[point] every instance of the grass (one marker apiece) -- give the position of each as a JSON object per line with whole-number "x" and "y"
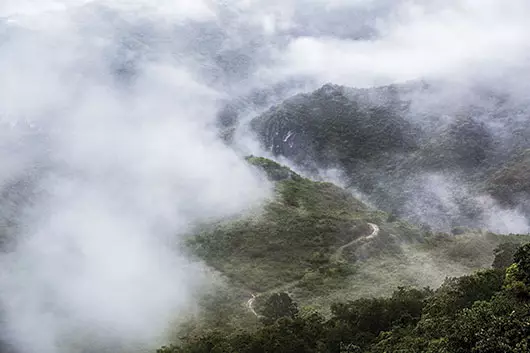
{"x": 290, "y": 244}
{"x": 297, "y": 232}
{"x": 273, "y": 170}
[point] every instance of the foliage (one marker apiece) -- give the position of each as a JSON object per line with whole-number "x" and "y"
{"x": 359, "y": 322}
{"x": 504, "y": 254}
{"x": 459, "y": 293}
{"x": 522, "y": 259}
{"x": 278, "y": 305}
{"x": 298, "y": 231}
{"x": 274, "y": 171}
{"x": 511, "y": 182}
{"x": 479, "y": 313}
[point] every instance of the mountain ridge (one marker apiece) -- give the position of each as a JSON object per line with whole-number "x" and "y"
{"x": 377, "y": 140}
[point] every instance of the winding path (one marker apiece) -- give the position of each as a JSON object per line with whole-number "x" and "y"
{"x": 335, "y": 257}
{"x": 338, "y": 254}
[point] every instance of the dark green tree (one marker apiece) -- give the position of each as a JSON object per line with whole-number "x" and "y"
{"x": 277, "y": 306}
{"x": 504, "y": 255}
{"x": 522, "y": 259}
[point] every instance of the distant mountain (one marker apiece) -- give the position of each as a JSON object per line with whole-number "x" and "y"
{"x": 390, "y": 139}
{"x": 511, "y": 183}
{"x": 336, "y": 126}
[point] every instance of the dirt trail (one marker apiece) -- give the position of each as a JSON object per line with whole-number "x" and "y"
{"x": 338, "y": 254}
{"x": 335, "y": 257}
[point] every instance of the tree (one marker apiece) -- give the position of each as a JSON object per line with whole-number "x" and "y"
{"x": 361, "y": 321}
{"x": 486, "y": 312}
{"x": 499, "y": 325}
{"x": 277, "y": 306}
{"x": 522, "y": 259}
{"x": 504, "y": 255}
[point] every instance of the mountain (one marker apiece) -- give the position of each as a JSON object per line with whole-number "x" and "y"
{"x": 319, "y": 271}
{"x": 336, "y": 126}
{"x": 390, "y": 147}
{"x": 297, "y": 232}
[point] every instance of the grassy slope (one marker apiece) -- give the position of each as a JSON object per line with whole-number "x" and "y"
{"x": 290, "y": 246}
{"x": 297, "y": 232}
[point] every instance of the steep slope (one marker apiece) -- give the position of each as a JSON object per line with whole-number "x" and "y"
{"x": 336, "y": 126}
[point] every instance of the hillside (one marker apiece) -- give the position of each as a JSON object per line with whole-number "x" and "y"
{"x": 335, "y": 126}
{"x": 321, "y": 245}
{"x": 317, "y": 253}
{"x": 389, "y": 147}
{"x": 297, "y": 232}
{"x": 483, "y": 312}
{"x": 511, "y": 183}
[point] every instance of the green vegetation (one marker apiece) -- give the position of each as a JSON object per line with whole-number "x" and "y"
{"x": 486, "y": 312}
{"x": 277, "y": 306}
{"x": 315, "y": 294}
{"x": 297, "y": 232}
{"x": 296, "y": 243}
{"x": 372, "y": 136}
{"x": 512, "y": 181}
{"x": 328, "y": 127}
{"x": 221, "y": 308}
{"x": 504, "y": 254}
{"x": 273, "y": 170}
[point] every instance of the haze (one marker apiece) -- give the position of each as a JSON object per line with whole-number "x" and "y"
{"x": 108, "y": 112}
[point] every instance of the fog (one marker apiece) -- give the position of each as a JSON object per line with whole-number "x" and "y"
{"x": 127, "y": 159}
{"x": 108, "y": 112}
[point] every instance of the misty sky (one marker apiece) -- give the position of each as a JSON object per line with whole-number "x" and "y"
{"x": 108, "y": 108}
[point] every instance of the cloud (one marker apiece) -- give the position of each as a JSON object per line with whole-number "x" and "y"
{"x": 115, "y": 104}
{"x": 129, "y": 159}
{"x": 444, "y": 201}
{"x": 183, "y": 10}
{"x": 419, "y": 40}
